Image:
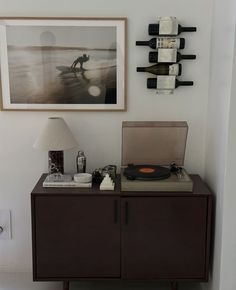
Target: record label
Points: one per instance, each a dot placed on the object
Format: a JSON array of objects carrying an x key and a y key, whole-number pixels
[{"x": 146, "y": 170}]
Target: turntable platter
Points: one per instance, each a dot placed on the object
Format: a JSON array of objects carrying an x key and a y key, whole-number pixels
[{"x": 146, "y": 172}]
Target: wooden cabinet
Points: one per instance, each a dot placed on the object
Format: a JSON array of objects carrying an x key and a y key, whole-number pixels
[
  {"x": 163, "y": 236},
  {"x": 76, "y": 236},
  {"x": 91, "y": 234}
]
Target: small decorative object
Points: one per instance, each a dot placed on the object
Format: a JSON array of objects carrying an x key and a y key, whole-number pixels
[
  {"x": 111, "y": 170},
  {"x": 55, "y": 137},
  {"x": 107, "y": 183},
  {"x": 65, "y": 63},
  {"x": 97, "y": 176},
  {"x": 83, "y": 177},
  {"x": 100, "y": 173},
  {"x": 81, "y": 162},
  {"x": 166, "y": 55}
]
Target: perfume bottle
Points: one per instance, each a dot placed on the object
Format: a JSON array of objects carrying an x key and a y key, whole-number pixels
[{"x": 81, "y": 162}]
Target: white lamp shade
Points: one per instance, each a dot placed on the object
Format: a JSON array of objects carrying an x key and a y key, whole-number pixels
[{"x": 56, "y": 136}]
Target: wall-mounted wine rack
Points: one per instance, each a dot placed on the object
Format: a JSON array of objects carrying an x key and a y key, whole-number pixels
[{"x": 166, "y": 55}]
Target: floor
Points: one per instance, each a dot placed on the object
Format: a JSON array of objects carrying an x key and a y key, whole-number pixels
[{"x": 23, "y": 281}]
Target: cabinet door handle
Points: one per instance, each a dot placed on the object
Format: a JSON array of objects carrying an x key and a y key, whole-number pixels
[
  {"x": 115, "y": 211},
  {"x": 126, "y": 212}
]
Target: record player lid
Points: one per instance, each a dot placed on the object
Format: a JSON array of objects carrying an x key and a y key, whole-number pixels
[{"x": 151, "y": 142}]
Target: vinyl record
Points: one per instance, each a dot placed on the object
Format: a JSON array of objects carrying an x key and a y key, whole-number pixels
[{"x": 146, "y": 172}]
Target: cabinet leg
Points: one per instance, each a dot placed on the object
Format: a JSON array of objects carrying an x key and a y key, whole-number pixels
[
  {"x": 66, "y": 285},
  {"x": 174, "y": 285}
]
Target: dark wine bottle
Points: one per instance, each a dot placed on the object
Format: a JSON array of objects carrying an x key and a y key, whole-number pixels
[
  {"x": 153, "y": 29},
  {"x": 163, "y": 42},
  {"x": 168, "y": 56},
  {"x": 162, "y": 69},
  {"x": 166, "y": 83}
]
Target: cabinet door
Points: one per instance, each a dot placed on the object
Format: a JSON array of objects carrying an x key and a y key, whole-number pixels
[
  {"x": 76, "y": 236},
  {"x": 164, "y": 237}
]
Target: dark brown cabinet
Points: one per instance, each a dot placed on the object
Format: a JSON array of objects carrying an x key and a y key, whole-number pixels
[
  {"x": 163, "y": 236},
  {"x": 76, "y": 236},
  {"x": 91, "y": 234}
]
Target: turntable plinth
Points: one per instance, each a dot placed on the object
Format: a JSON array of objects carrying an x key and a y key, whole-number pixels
[{"x": 172, "y": 183}]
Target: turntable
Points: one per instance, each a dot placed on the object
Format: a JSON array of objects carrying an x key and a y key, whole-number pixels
[{"x": 148, "y": 151}]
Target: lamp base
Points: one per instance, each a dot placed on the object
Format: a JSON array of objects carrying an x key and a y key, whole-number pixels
[{"x": 55, "y": 162}]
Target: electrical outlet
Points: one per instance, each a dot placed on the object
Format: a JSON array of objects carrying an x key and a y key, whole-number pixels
[{"x": 5, "y": 224}]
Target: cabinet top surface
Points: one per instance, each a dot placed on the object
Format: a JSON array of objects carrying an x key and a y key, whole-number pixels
[{"x": 199, "y": 188}]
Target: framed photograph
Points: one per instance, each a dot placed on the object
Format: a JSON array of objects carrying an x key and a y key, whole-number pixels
[{"x": 63, "y": 63}]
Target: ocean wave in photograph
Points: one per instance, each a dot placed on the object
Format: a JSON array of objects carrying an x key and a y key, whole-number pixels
[{"x": 46, "y": 75}]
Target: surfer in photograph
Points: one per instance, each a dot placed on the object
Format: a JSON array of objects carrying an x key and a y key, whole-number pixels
[{"x": 80, "y": 60}]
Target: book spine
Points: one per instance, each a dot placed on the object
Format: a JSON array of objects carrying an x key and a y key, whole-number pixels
[{"x": 67, "y": 184}]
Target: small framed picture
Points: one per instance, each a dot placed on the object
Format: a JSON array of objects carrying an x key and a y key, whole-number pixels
[{"x": 63, "y": 63}]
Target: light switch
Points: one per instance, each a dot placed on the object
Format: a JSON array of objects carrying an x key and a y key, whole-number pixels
[{"x": 5, "y": 224}]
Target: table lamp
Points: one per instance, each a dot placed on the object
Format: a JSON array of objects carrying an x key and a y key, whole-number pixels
[{"x": 55, "y": 138}]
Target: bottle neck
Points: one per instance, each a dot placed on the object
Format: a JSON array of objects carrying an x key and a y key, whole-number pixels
[
  {"x": 188, "y": 29},
  {"x": 142, "y": 42},
  {"x": 184, "y": 83},
  {"x": 187, "y": 56},
  {"x": 141, "y": 69}
]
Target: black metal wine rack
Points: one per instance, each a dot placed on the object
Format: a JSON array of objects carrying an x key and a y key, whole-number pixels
[{"x": 165, "y": 56}]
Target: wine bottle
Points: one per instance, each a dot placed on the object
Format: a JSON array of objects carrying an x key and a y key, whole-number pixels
[
  {"x": 162, "y": 69},
  {"x": 168, "y": 56},
  {"x": 166, "y": 83},
  {"x": 155, "y": 29},
  {"x": 163, "y": 42}
]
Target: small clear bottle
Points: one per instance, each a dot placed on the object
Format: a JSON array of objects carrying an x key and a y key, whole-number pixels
[{"x": 81, "y": 162}]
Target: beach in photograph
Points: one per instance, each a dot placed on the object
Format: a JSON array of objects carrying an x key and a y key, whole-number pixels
[
  {"x": 44, "y": 76},
  {"x": 62, "y": 65}
]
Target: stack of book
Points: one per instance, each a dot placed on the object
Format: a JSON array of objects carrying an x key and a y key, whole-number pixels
[{"x": 65, "y": 180}]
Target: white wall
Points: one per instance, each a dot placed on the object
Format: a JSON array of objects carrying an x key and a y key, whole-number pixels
[
  {"x": 217, "y": 167},
  {"x": 228, "y": 260},
  {"x": 99, "y": 133}
]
